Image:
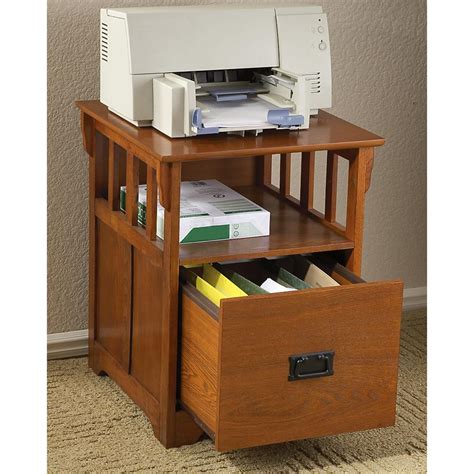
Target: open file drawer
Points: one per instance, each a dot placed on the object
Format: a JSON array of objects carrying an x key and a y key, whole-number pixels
[{"x": 248, "y": 376}]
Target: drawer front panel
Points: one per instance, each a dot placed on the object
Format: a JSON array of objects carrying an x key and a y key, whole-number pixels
[{"x": 257, "y": 403}]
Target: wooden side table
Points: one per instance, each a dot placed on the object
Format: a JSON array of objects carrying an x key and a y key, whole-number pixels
[{"x": 142, "y": 329}]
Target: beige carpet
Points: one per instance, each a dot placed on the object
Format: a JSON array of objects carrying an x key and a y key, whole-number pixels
[{"x": 93, "y": 426}]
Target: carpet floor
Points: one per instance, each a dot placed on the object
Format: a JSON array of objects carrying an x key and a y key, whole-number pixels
[{"x": 94, "y": 427}]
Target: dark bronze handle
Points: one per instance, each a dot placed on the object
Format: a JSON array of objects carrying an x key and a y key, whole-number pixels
[{"x": 307, "y": 366}]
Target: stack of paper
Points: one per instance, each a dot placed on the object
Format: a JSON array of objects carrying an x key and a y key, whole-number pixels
[
  {"x": 209, "y": 211},
  {"x": 235, "y": 114}
]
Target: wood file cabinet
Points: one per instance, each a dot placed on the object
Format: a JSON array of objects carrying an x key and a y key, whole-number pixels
[{"x": 194, "y": 368}]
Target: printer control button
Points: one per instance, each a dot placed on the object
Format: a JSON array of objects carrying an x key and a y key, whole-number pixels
[
  {"x": 322, "y": 46},
  {"x": 320, "y": 29}
]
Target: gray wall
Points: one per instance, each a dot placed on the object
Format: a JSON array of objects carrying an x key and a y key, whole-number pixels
[{"x": 379, "y": 66}]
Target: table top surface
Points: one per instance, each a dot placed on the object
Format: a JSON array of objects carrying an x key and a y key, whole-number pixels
[{"x": 326, "y": 132}]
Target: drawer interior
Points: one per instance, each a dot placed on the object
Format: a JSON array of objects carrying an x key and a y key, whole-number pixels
[{"x": 238, "y": 359}]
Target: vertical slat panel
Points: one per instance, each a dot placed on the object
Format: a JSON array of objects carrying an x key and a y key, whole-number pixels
[
  {"x": 169, "y": 349},
  {"x": 151, "y": 202},
  {"x": 307, "y": 180},
  {"x": 132, "y": 189},
  {"x": 114, "y": 176},
  {"x": 101, "y": 148},
  {"x": 265, "y": 170},
  {"x": 355, "y": 206},
  {"x": 331, "y": 187},
  {"x": 88, "y": 131},
  {"x": 285, "y": 174}
]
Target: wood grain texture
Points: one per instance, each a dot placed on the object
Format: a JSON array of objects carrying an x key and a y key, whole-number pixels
[
  {"x": 285, "y": 174},
  {"x": 113, "y": 293},
  {"x": 164, "y": 178},
  {"x": 356, "y": 188},
  {"x": 187, "y": 431},
  {"x": 170, "y": 290},
  {"x": 134, "y": 235},
  {"x": 101, "y": 149},
  {"x": 92, "y": 258},
  {"x": 331, "y": 187},
  {"x": 291, "y": 232},
  {"x": 264, "y": 170},
  {"x": 113, "y": 179},
  {"x": 107, "y": 363},
  {"x": 307, "y": 180},
  {"x": 87, "y": 130},
  {"x": 131, "y": 207},
  {"x": 199, "y": 346},
  {"x": 257, "y": 404},
  {"x": 241, "y": 172},
  {"x": 134, "y": 289},
  {"x": 368, "y": 169},
  {"x": 151, "y": 203},
  {"x": 147, "y": 318},
  {"x": 326, "y": 132}
]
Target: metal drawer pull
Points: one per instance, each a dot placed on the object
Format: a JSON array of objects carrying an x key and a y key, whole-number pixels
[{"x": 314, "y": 364}]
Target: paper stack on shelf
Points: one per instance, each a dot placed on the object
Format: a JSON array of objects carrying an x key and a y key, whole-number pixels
[{"x": 209, "y": 211}]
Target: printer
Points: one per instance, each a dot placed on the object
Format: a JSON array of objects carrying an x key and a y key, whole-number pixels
[{"x": 199, "y": 70}]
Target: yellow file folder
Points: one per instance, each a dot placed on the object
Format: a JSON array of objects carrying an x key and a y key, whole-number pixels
[
  {"x": 209, "y": 291},
  {"x": 220, "y": 282}
]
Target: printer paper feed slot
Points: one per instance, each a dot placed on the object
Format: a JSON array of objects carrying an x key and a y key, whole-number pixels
[{"x": 250, "y": 113}]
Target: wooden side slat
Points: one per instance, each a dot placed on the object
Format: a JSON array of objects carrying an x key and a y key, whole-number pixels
[
  {"x": 114, "y": 176},
  {"x": 369, "y": 168},
  {"x": 285, "y": 173},
  {"x": 131, "y": 208},
  {"x": 92, "y": 246},
  {"x": 163, "y": 176},
  {"x": 265, "y": 170},
  {"x": 151, "y": 202},
  {"x": 331, "y": 187},
  {"x": 169, "y": 348},
  {"x": 355, "y": 206},
  {"x": 87, "y": 129},
  {"x": 307, "y": 180}
]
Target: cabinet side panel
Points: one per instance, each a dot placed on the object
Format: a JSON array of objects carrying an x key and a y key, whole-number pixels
[
  {"x": 113, "y": 298},
  {"x": 199, "y": 346},
  {"x": 146, "y": 331}
]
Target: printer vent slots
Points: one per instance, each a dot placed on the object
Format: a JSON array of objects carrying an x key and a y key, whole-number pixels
[
  {"x": 104, "y": 42},
  {"x": 315, "y": 84}
]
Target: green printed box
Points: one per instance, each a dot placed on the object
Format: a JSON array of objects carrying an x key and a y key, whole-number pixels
[{"x": 209, "y": 211}]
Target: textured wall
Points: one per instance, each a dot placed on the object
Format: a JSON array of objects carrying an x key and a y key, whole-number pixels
[{"x": 378, "y": 56}]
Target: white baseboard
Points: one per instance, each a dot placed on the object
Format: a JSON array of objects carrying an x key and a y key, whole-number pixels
[
  {"x": 415, "y": 298},
  {"x": 62, "y": 345},
  {"x": 74, "y": 343}
]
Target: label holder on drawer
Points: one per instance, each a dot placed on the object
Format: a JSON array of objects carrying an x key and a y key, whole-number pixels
[{"x": 311, "y": 365}]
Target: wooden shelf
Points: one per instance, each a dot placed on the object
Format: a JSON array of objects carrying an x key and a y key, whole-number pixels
[
  {"x": 291, "y": 232},
  {"x": 326, "y": 132}
]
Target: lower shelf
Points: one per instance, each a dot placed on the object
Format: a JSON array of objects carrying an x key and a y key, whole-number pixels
[{"x": 291, "y": 232}]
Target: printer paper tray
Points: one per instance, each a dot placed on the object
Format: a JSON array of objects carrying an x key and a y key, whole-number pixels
[{"x": 240, "y": 114}]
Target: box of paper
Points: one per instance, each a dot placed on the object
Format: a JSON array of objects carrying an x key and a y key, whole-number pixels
[{"x": 209, "y": 211}]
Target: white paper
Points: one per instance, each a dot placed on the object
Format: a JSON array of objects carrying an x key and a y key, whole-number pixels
[
  {"x": 240, "y": 113},
  {"x": 273, "y": 287}
]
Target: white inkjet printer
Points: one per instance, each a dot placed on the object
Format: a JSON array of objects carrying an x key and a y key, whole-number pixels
[{"x": 210, "y": 69}]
